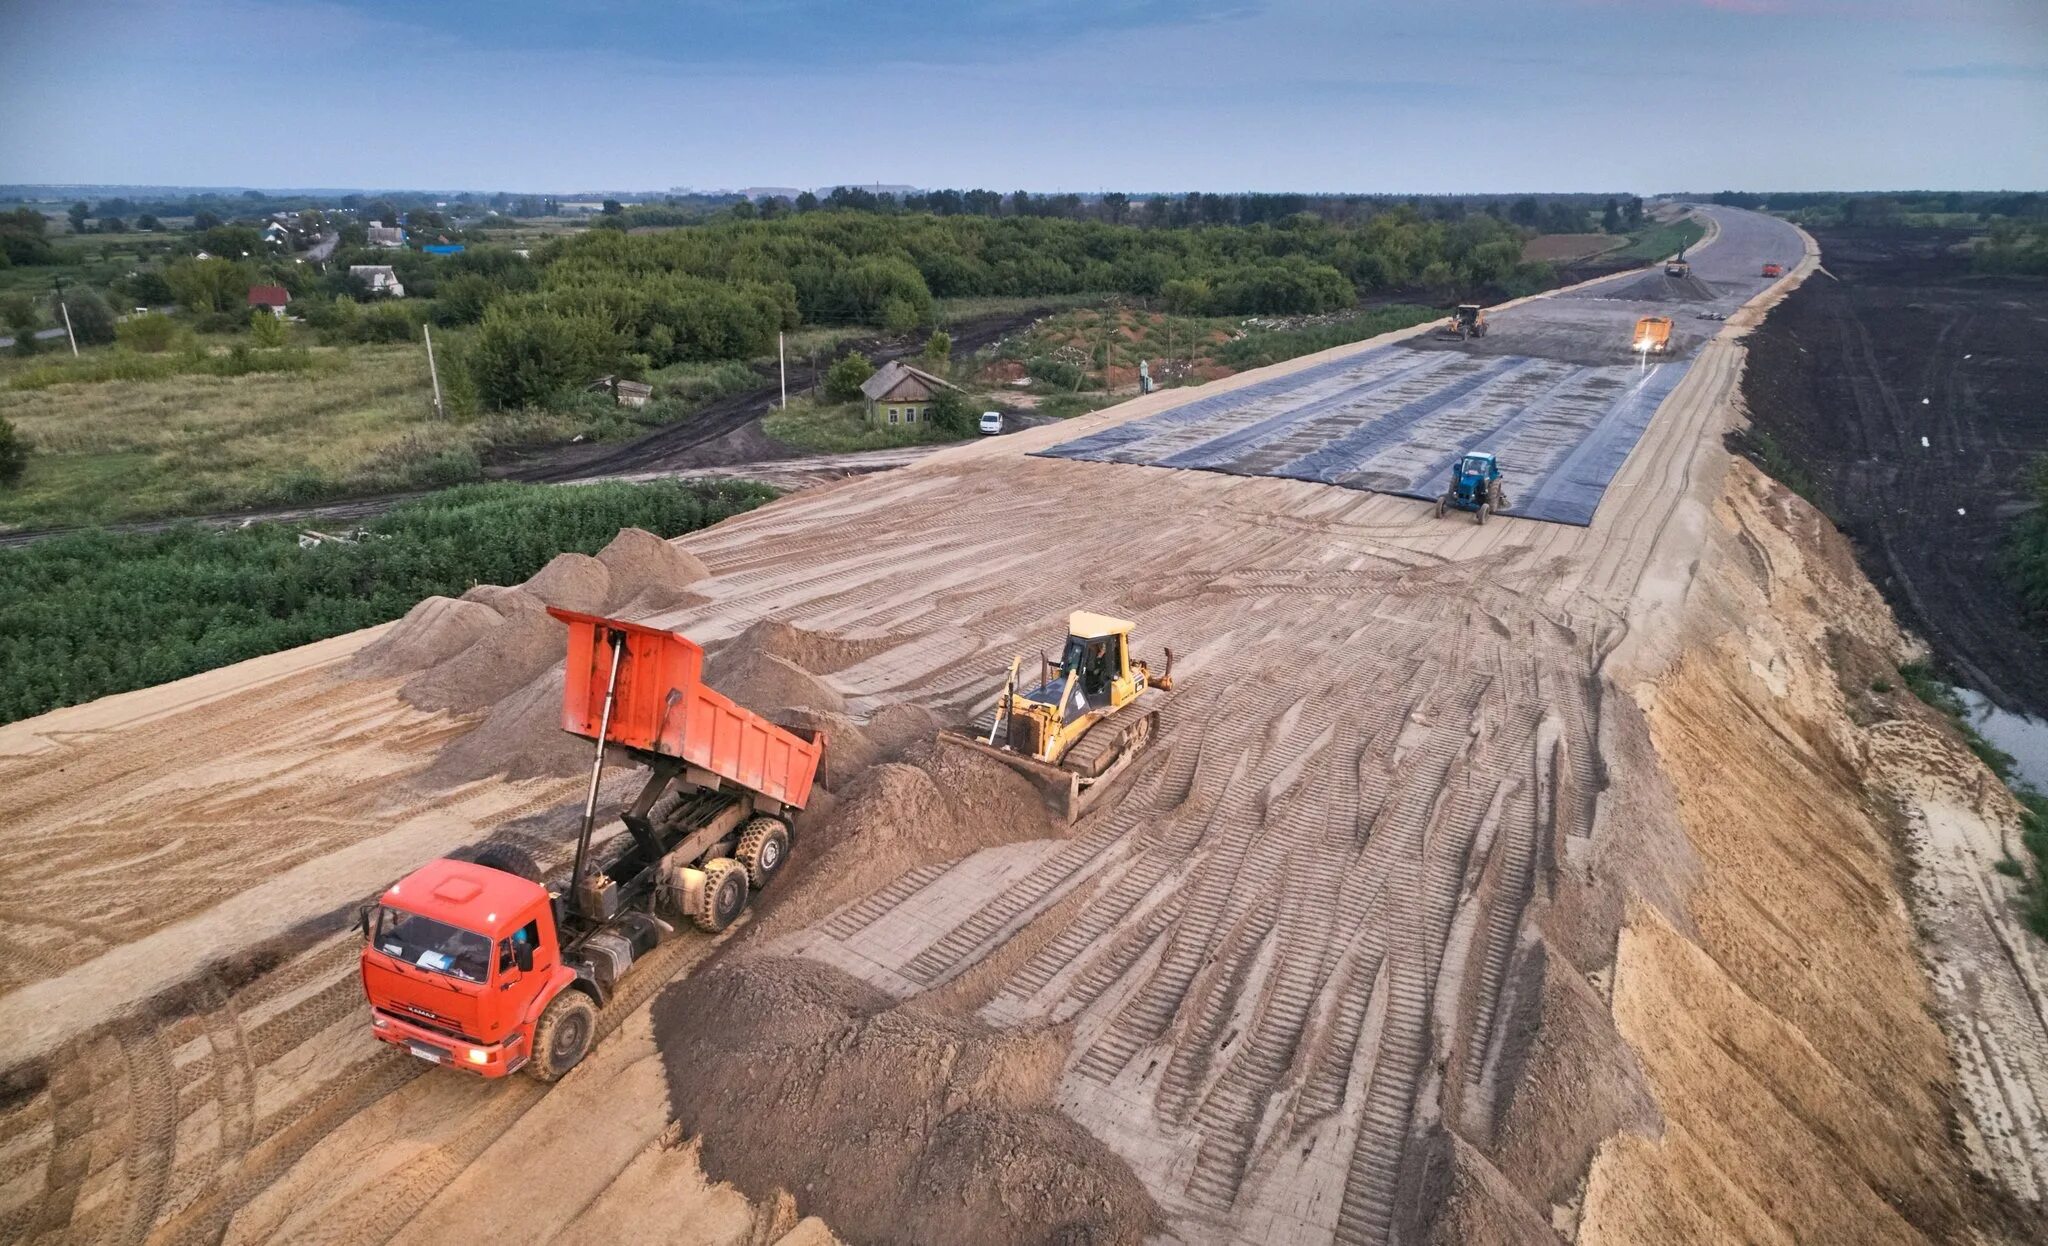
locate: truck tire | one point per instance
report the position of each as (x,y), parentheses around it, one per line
(764,846)
(724,895)
(562,1037)
(512,860)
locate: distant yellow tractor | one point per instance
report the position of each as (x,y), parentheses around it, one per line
(1077,728)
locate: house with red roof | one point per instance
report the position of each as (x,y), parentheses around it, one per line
(272,298)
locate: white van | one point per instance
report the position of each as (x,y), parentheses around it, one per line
(991,423)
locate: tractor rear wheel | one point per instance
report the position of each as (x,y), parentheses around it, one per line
(563,1036)
(724,895)
(764,846)
(512,860)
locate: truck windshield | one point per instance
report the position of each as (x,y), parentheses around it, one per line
(432,945)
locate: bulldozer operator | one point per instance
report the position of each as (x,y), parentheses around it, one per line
(1092,659)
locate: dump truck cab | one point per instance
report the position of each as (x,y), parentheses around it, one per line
(1774,270)
(458,960)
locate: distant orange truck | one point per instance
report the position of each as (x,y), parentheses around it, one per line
(1653,335)
(1774,270)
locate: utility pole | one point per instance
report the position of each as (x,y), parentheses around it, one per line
(64,307)
(782,367)
(433,372)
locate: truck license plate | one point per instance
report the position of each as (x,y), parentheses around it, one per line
(424,1052)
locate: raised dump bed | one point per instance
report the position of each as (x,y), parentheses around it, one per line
(664,708)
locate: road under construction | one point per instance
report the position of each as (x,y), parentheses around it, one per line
(1517,882)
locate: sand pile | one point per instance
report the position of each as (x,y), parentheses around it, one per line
(647,574)
(433,631)
(573,582)
(769,685)
(521,737)
(506,658)
(892,1124)
(939,804)
(821,652)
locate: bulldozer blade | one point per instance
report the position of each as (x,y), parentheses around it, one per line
(1059,789)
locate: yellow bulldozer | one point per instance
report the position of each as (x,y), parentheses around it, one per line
(1075,730)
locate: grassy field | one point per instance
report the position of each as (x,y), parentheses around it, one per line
(359,421)
(841,428)
(1658,241)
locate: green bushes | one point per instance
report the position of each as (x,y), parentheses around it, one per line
(845,377)
(1053,373)
(13,454)
(525,355)
(2014,247)
(152,333)
(95,613)
(950,414)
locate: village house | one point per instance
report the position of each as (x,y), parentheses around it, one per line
(382,235)
(270,298)
(380,278)
(900,394)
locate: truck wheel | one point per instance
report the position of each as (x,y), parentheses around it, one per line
(563,1036)
(724,895)
(764,846)
(510,859)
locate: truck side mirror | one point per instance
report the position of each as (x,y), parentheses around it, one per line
(522,956)
(363,919)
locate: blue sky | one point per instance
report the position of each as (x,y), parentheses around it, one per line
(1405,95)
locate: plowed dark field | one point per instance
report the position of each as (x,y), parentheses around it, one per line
(1912,391)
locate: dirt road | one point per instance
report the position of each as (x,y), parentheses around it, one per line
(1343,961)
(1909,388)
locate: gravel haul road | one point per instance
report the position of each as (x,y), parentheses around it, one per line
(1554,390)
(1336,961)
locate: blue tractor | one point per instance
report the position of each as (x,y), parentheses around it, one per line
(1475,487)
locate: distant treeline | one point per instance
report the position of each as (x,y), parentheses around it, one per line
(721,291)
(1567,214)
(1851,208)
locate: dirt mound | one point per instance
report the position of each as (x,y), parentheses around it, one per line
(892,1124)
(939,805)
(821,652)
(894,729)
(431,632)
(498,663)
(520,737)
(647,573)
(766,684)
(573,582)
(848,749)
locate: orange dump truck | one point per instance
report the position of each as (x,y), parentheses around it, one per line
(1653,335)
(476,964)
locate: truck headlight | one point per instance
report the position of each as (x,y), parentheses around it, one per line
(380,1022)
(478,1055)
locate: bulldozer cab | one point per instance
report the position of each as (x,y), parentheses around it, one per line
(1097,658)
(1468,315)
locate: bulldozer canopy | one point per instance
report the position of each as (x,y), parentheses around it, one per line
(1090,626)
